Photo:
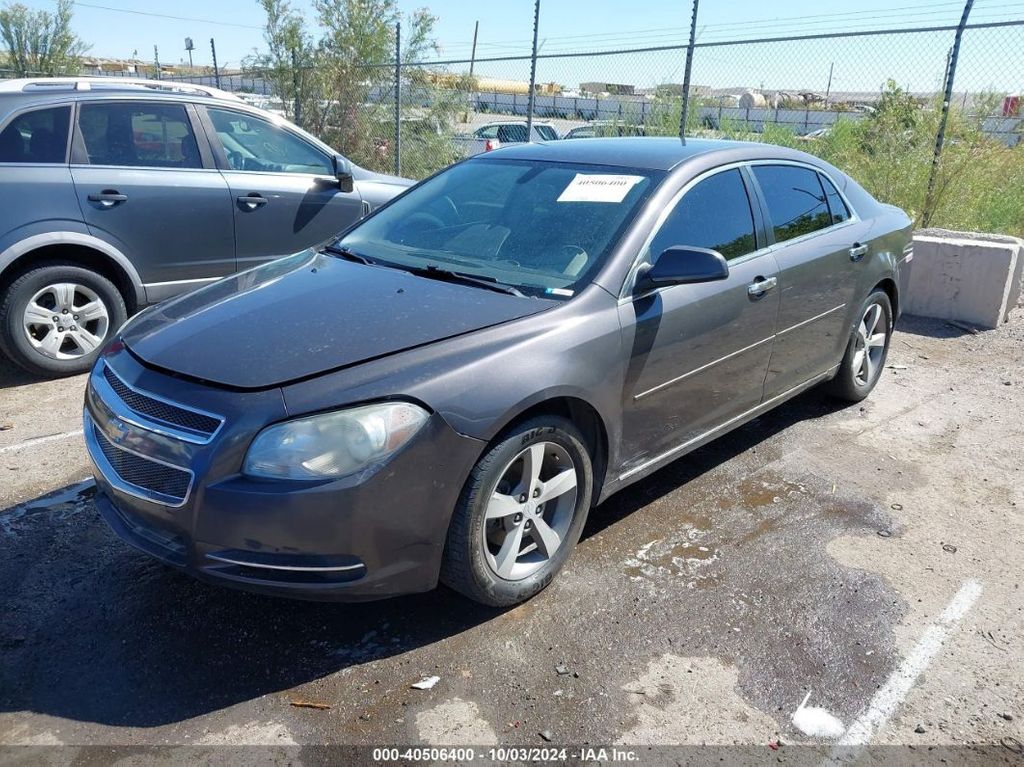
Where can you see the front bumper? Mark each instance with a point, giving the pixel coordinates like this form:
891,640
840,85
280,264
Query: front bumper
369,536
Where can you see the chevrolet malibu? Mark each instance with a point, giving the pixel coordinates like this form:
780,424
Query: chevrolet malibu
445,392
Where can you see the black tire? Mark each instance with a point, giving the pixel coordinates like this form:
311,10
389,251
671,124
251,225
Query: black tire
14,299
464,567
847,385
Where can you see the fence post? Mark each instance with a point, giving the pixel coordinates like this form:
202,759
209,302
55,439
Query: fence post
296,101
533,72
940,137
156,61
216,69
686,73
398,98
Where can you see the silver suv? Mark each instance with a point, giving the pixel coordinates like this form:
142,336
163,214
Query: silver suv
120,193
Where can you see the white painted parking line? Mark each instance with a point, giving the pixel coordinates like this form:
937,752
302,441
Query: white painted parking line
894,692
41,440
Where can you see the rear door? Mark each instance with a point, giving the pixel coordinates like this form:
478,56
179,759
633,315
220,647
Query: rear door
283,188
814,232
147,185
700,352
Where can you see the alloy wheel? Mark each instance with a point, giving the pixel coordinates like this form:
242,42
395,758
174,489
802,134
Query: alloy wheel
65,321
530,511
870,341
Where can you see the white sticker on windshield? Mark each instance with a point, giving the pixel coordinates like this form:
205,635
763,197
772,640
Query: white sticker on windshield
599,187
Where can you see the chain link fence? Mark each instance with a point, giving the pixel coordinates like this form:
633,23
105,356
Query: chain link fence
868,101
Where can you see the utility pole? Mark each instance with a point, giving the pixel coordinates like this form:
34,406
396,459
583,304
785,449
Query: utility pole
156,61
828,88
940,137
533,73
189,47
472,56
398,98
686,73
216,69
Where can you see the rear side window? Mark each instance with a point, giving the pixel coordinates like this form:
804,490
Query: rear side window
36,137
836,205
714,214
796,202
546,132
139,135
509,134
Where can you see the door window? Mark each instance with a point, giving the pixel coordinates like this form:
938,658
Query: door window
255,144
796,202
714,214
36,137
139,135
489,131
836,205
511,134
546,132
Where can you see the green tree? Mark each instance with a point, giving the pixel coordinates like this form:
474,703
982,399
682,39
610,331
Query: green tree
39,42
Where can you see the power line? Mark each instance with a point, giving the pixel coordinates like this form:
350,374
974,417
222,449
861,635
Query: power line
165,16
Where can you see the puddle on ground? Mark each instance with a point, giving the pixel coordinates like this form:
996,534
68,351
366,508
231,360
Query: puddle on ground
57,506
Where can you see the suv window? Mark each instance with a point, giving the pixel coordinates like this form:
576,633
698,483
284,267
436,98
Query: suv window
546,132
510,134
796,202
255,144
714,214
488,131
139,135
40,136
836,205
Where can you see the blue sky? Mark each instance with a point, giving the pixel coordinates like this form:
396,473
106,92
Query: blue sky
991,59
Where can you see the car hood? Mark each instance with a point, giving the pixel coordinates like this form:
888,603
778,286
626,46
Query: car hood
307,314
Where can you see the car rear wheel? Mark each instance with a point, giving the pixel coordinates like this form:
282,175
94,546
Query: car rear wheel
55,319
864,360
520,514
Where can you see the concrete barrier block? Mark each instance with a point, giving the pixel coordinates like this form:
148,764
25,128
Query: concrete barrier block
973,278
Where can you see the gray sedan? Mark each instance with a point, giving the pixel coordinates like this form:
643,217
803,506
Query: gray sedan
446,391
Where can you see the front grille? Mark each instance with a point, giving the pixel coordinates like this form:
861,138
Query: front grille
143,473
159,410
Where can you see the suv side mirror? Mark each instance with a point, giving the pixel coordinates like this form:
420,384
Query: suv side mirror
343,173
684,265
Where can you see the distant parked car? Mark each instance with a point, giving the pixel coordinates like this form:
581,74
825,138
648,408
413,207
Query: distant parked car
606,129
120,193
498,134
446,391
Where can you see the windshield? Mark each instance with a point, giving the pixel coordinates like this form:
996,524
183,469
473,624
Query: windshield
544,228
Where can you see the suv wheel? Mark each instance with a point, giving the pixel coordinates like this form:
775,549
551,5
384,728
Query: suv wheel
520,514
55,319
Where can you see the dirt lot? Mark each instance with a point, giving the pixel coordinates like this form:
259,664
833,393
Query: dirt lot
867,559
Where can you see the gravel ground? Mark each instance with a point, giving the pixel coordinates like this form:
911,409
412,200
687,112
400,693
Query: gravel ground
863,559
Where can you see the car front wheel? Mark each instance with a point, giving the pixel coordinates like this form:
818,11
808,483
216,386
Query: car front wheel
520,514
55,319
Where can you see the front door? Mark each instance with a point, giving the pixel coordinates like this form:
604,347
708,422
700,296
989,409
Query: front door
699,352
146,187
283,188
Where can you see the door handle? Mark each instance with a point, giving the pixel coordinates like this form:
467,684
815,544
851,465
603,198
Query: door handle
858,251
108,198
760,286
252,201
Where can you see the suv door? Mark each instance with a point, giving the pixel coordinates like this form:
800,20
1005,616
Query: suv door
285,194
699,352
147,185
814,233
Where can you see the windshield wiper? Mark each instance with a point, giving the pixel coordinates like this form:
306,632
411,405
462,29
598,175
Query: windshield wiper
348,255
447,275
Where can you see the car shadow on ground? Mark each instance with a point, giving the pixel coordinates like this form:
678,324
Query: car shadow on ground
11,375
92,631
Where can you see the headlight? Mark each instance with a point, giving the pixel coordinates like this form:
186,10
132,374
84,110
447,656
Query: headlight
333,444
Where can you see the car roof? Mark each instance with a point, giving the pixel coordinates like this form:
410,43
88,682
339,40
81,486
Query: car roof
647,152
44,88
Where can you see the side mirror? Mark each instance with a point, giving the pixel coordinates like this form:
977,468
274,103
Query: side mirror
683,265
343,173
